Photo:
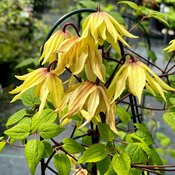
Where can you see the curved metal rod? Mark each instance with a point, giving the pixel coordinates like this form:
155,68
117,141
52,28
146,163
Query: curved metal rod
64,17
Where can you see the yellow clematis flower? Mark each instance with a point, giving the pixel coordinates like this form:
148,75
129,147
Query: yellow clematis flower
136,75
51,46
103,27
45,83
89,97
76,53
171,46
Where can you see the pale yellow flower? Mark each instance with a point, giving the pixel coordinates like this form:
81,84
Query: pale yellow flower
171,46
89,97
103,27
82,172
45,83
136,75
76,53
50,47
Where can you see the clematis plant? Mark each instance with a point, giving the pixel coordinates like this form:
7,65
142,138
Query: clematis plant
108,135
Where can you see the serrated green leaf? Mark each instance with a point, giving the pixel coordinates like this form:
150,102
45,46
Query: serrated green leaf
16,117
144,133
136,153
48,149
155,157
94,153
123,115
50,130
71,146
28,97
105,132
19,131
33,153
169,118
144,147
47,115
121,163
2,145
62,164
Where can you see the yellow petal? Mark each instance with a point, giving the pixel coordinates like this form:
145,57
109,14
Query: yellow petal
43,96
171,47
55,88
110,118
93,102
85,115
120,84
161,83
136,80
156,87
98,68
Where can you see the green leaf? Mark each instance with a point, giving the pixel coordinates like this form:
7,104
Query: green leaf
155,157
19,131
163,139
103,165
151,54
50,130
171,152
123,115
26,120
2,145
136,153
71,146
144,133
131,4
48,149
28,97
121,163
94,153
110,171
47,115
169,118
16,117
62,164
33,153
105,132
26,62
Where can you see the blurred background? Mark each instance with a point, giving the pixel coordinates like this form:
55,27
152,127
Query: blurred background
24,25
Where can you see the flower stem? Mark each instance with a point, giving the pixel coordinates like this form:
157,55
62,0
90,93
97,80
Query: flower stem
70,24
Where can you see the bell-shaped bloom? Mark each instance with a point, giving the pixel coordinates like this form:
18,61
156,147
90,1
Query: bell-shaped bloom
50,47
76,53
136,75
45,83
89,97
171,47
103,27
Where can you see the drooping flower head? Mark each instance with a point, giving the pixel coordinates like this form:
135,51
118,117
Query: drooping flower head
91,98
136,75
103,27
171,46
76,53
45,83
51,46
